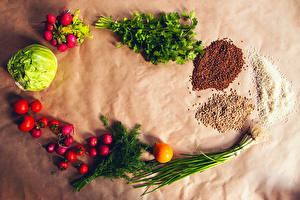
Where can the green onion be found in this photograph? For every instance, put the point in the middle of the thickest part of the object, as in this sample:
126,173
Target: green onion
179,168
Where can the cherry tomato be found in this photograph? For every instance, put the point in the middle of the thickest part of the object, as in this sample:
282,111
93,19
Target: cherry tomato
43,122
79,150
83,169
63,165
71,156
21,106
27,124
53,124
36,106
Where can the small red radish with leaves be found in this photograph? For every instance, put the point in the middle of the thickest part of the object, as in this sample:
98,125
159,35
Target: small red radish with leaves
93,152
93,141
47,35
51,19
51,147
66,19
104,150
36,133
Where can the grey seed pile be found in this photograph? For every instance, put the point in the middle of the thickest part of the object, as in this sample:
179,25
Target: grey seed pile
225,112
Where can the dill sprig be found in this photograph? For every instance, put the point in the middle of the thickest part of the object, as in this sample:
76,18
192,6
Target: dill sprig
124,158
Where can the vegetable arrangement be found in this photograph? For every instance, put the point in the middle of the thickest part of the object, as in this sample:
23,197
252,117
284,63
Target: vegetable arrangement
120,158
159,39
33,68
66,30
169,37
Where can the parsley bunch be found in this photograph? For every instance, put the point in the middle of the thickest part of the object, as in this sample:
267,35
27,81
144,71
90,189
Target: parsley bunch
124,158
167,37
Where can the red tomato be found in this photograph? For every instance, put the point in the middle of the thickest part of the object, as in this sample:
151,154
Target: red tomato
21,106
79,150
71,156
36,106
63,165
83,169
27,124
54,124
43,122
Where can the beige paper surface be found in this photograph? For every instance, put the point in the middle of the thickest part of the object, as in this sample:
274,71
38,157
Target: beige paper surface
99,78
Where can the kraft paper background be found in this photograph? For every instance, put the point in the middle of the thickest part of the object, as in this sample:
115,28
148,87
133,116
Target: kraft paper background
99,78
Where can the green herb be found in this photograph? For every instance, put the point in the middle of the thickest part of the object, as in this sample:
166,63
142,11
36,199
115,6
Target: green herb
124,158
179,168
158,39
76,28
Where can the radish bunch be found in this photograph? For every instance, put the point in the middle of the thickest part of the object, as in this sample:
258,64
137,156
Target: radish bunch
69,154
65,30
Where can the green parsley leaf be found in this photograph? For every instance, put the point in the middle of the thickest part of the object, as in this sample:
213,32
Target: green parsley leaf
160,39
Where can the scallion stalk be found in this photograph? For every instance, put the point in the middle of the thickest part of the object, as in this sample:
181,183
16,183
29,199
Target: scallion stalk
179,168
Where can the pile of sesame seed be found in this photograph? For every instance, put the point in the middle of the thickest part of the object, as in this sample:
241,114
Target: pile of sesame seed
225,112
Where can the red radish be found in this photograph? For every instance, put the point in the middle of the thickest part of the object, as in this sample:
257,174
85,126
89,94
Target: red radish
107,138
67,129
36,133
66,19
93,152
51,19
71,156
36,106
104,150
71,45
51,147
48,35
83,169
62,47
54,42
68,140
71,39
21,106
61,150
49,27
93,141
63,165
